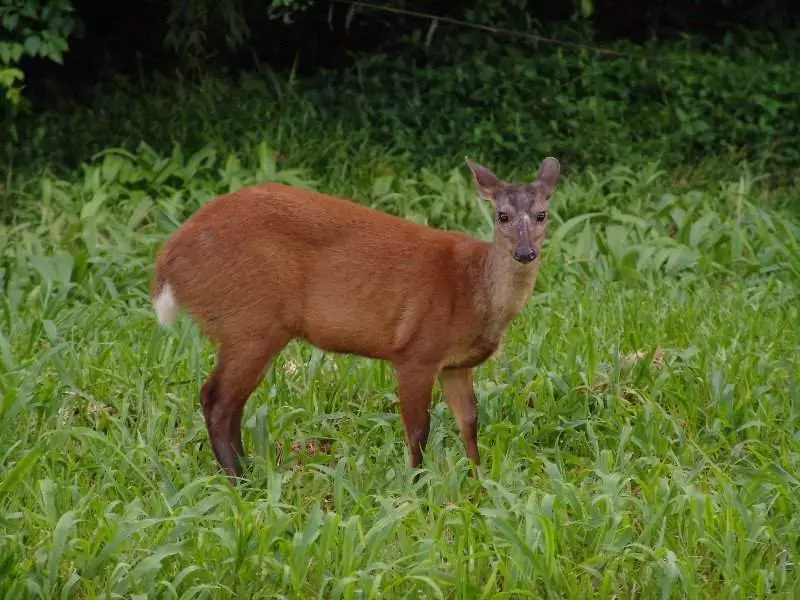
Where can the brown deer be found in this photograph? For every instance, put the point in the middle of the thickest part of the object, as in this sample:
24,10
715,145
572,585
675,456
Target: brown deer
269,263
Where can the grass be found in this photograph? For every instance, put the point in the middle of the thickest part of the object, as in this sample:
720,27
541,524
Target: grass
638,427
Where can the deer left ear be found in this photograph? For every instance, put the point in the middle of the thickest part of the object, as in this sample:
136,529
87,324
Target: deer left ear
486,182
549,171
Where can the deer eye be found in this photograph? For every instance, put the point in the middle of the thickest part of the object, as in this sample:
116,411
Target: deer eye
541,216
502,217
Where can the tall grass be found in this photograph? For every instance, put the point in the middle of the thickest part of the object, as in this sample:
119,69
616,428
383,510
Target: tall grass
638,427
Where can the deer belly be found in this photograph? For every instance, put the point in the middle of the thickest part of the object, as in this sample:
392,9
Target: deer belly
341,330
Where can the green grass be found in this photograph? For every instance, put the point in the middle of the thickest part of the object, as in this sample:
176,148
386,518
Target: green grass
638,428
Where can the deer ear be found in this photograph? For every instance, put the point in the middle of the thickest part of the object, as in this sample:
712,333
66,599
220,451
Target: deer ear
486,182
549,171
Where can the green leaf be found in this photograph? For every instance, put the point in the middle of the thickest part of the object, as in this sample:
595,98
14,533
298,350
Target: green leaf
54,269
60,534
568,227
11,478
699,229
139,213
33,45
16,52
8,77
382,186
586,245
617,239
90,209
10,21
679,259
6,356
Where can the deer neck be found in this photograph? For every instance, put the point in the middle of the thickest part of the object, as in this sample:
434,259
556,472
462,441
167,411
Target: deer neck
509,284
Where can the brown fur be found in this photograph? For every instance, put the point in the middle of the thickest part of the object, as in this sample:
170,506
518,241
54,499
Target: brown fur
269,263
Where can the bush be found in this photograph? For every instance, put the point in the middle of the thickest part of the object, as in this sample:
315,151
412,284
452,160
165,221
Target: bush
519,100
34,30
508,103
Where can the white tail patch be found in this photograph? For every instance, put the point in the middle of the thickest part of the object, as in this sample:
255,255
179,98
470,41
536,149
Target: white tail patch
166,306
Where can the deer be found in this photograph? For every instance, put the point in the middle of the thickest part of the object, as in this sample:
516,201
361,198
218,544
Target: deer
269,263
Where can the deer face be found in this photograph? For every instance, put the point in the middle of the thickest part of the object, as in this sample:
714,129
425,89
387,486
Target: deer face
520,208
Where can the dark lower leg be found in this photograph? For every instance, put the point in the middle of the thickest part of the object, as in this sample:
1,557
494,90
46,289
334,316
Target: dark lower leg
417,428
225,394
415,384
219,423
236,433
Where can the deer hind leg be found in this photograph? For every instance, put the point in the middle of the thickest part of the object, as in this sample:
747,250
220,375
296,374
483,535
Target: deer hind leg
459,393
240,366
415,387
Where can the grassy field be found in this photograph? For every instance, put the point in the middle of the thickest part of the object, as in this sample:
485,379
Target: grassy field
638,427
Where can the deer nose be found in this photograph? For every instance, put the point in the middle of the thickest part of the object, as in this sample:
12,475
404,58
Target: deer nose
524,254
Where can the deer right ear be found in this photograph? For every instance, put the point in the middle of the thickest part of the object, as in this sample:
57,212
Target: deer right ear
485,181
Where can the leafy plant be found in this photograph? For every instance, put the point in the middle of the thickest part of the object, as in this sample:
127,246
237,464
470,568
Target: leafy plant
33,29
637,425
195,28
507,103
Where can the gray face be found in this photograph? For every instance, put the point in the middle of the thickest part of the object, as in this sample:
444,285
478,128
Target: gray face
520,208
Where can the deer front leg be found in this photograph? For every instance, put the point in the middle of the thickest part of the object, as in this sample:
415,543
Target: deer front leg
415,387
459,393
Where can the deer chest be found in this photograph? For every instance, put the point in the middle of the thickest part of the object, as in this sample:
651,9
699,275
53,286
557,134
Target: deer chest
475,353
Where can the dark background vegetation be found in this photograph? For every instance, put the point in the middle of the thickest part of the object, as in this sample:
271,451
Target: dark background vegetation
128,37
690,80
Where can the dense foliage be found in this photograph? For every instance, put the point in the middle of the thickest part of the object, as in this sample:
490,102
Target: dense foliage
31,29
440,91
186,34
637,427
471,94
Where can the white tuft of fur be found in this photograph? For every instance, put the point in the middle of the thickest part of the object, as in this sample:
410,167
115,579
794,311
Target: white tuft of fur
166,306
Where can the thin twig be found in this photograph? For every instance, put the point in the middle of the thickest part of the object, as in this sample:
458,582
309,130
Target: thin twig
502,31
